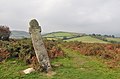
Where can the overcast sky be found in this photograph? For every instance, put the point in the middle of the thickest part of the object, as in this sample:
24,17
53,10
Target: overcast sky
84,16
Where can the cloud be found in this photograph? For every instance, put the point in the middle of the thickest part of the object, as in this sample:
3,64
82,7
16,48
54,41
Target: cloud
88,16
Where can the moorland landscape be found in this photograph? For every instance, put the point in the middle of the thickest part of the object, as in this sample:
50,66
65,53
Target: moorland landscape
73,55
59,39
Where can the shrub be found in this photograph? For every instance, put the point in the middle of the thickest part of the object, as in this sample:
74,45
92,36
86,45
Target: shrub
4,33
109,52
23,49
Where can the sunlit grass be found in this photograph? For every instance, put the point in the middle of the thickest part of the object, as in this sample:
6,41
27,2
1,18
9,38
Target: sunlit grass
87,39
113,39
74,66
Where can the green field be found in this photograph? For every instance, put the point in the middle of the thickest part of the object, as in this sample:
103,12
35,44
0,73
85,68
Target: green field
58,34
87,39
52,38
74,66
61,35
71,36
113,39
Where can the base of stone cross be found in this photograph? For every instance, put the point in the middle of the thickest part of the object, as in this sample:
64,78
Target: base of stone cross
51,73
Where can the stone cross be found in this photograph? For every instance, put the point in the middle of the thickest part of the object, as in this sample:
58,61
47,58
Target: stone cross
40,50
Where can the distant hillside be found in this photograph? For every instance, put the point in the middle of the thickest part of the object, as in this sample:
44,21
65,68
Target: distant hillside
19,34
71,36
114,39
68,36
87,39
117,35
62,35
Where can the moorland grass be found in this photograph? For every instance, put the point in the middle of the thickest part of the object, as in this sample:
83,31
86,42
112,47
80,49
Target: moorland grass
74,66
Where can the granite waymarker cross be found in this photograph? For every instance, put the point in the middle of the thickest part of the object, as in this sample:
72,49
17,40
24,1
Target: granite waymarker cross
40,51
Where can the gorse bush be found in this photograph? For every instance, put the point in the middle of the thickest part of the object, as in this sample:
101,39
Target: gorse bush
4,54
109,52
4,33
23,50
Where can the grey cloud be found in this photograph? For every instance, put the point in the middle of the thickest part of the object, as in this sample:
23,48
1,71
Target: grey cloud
88,16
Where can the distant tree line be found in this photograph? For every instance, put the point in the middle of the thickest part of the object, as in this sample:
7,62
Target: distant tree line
112,36
4,32
103,37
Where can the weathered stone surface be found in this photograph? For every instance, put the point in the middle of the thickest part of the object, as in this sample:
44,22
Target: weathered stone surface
41,53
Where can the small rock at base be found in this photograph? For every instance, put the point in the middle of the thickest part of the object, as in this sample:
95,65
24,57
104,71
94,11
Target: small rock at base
28,70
